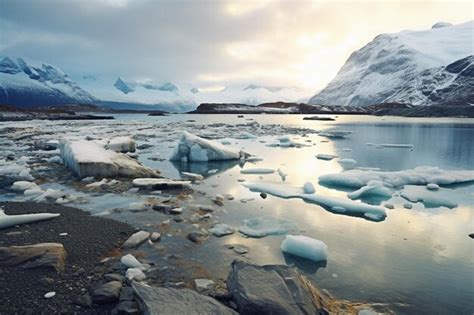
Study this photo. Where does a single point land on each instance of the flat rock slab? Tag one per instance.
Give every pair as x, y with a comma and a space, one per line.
272, 289
155, 300
46, 255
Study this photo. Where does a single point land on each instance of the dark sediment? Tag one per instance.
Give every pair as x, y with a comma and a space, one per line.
89, 239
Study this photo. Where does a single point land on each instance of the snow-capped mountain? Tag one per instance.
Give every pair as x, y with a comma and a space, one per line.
23, 85
419, 67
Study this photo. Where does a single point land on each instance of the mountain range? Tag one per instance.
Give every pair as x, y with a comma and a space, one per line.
430, 67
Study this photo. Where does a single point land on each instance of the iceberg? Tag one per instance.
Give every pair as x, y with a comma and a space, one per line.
192, 148
421, 175
12, 220
305, 247
86, 158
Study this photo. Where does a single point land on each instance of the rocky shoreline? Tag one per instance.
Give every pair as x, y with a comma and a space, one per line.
96, 277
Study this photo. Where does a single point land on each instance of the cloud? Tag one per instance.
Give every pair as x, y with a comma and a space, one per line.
297, 43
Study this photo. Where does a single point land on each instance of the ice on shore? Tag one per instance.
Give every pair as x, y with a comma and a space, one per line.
192, 148
262, 226
121, 144
12, 220
258, 171
421, 175
21, 186
86, 158
15, 171
374, 188
305, 247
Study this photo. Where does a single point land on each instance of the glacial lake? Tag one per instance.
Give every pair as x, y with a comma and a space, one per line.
418, 260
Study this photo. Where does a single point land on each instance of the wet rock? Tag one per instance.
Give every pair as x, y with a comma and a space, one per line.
471, 235
263, 195
272, 289
126, 308
221, 229
114, 277
126, 294
197, 237
162, 208
135, 274
156, 300
176, 211
84, 300
136, 239
178, 219
107, 293
49, 255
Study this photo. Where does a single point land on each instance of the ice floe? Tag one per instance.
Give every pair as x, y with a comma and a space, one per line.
263, 226
86, 158
257, 171
21, 186
326, 157
305, 247
421, 175
374, 188
431, 198
192, 148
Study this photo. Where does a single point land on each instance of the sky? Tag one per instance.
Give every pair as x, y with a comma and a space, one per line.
210, 43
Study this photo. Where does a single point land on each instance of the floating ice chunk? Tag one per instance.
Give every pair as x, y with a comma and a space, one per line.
374, 188
130, 261
419, 176
253, 159
431, 198
326, 157
21, 186
121, 144
54, 159
308, 188
191, 148
221, 229
263, 226
286, 142
257, 171
347, 164
334, 133
100, 183
282, 174
15, 171
86, 158
192, 176
161, 183
48, 195
348, 207
432, 186
305, 247
244, 135
12, 220
392, 145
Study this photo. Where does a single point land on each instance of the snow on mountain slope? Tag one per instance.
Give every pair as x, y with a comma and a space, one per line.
23, 84
386, 69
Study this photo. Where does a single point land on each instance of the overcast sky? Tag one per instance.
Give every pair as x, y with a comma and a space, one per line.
209, 43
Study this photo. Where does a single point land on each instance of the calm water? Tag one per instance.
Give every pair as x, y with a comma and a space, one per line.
417, 261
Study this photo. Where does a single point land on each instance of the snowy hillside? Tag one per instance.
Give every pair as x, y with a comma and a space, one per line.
410, 66
23, 84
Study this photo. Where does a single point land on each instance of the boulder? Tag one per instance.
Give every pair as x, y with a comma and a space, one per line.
155, 300
48, 255
136, 239
278, 290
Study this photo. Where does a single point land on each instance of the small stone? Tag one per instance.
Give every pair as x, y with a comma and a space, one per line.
84, 300
197, 237
389, 206
155, 237
407, 205
178, 219
126, 308
79, 272
432, 186
263, 195
136, 239
471, 235
62, 234
162, 208
49, 295
204, 285
107, 293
